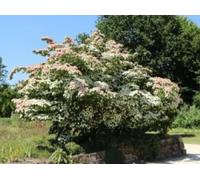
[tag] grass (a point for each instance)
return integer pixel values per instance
(19, 139)
(190, 136)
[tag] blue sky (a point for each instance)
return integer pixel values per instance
(20, 35)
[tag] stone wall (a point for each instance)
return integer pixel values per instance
(92, 158)
(169, 147)
(99, 158)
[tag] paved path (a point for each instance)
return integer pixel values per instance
(193, 156)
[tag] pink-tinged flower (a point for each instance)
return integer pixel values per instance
(23, 104)
(170, 89)
(59, 52)
(34, 68)
(52, 46)
(68, 41)
(92, 60)
(48, 40)
(47, 68)
(97, 39)
(113, 47)
(79, 85)
(166, 84)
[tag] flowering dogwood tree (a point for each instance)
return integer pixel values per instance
(94, 87)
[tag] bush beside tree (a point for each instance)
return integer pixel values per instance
(196, 100)
(188, 117)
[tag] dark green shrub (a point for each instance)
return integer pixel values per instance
(73, 148)
(196, 100)
(188, 117)
(7, 93)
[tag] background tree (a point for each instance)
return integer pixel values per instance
(7, 93)
(169, 45)
(3, 72)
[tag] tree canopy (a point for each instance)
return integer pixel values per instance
(7, 93)
(168, 45)
(94, 88)
(3, 72)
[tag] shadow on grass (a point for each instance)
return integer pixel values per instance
(185, 135)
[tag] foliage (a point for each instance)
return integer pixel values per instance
(59, 157)
(94, 88)
(73, 148)
(196, 100)
(3, 72)
(7, 93)
(168, 45)
(188, 117)
(82, 38)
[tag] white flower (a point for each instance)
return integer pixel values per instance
(24, 104)
(148, 97)
(102, 85)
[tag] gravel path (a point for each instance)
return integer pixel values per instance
(193, 156)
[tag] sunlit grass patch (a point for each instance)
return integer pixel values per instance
(20, 139)
(190, 136)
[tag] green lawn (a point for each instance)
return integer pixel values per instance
(190, 136)
(19, 139)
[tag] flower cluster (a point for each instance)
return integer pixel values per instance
(83, 87)
(24, 104)
(165, 84)
(168, 89)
